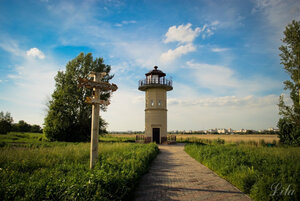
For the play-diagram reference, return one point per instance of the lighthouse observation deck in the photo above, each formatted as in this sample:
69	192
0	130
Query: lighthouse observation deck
155	83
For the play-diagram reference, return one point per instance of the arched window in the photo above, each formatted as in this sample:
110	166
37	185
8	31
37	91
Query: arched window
152	103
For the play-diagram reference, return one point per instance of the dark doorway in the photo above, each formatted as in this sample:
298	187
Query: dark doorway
155	135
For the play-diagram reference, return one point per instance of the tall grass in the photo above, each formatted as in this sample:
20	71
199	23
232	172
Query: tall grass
18	137
266	173
235	138
62	172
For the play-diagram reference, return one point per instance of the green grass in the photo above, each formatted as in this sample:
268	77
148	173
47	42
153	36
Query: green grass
61	171
38	139
256	171
111	138
199	140
18	137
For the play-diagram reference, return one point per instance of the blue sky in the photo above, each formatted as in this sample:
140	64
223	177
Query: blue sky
222	56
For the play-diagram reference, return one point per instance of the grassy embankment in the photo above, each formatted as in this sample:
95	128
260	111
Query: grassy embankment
31	169
265	173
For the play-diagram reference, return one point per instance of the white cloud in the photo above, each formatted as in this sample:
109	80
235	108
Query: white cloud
35	52
208	29
213	76
219	49
125	22
223	80
138	53
126	110
28	86
182	34
90	31
252	112
171	55
215	23
278	14
128	22
249	111
11	46
249	101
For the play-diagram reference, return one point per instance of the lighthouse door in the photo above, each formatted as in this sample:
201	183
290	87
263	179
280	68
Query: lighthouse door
156	135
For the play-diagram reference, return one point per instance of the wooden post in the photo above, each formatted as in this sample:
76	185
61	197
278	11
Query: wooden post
96	85
94	135
95	123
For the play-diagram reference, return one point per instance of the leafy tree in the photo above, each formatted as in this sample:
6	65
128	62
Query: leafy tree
5	122
69	117
289	124
22	126
35	129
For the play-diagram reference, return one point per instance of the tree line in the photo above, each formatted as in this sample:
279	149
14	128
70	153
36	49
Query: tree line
7	125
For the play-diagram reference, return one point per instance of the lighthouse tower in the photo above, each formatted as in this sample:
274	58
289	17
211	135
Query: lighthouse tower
156	86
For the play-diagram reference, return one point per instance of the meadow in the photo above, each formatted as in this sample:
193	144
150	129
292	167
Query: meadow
31	168
253	139
265	173
34	169
234	138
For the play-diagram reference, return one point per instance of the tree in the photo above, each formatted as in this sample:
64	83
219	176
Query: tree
5	122
35	129
69	117
289	124
22	126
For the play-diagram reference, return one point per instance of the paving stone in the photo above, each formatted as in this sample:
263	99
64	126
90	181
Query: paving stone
174	175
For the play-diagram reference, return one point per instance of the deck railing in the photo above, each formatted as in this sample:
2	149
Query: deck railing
161	81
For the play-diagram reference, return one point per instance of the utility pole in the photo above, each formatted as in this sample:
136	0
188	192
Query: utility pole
97	86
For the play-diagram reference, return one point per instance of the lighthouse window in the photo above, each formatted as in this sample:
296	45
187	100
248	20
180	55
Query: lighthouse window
159	103
152	103
155	79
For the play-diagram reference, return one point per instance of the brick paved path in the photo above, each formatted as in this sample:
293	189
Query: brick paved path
174	175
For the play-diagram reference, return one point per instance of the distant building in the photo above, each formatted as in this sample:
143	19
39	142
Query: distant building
222	131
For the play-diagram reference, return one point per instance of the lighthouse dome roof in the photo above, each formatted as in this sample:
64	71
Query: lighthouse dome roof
156	72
